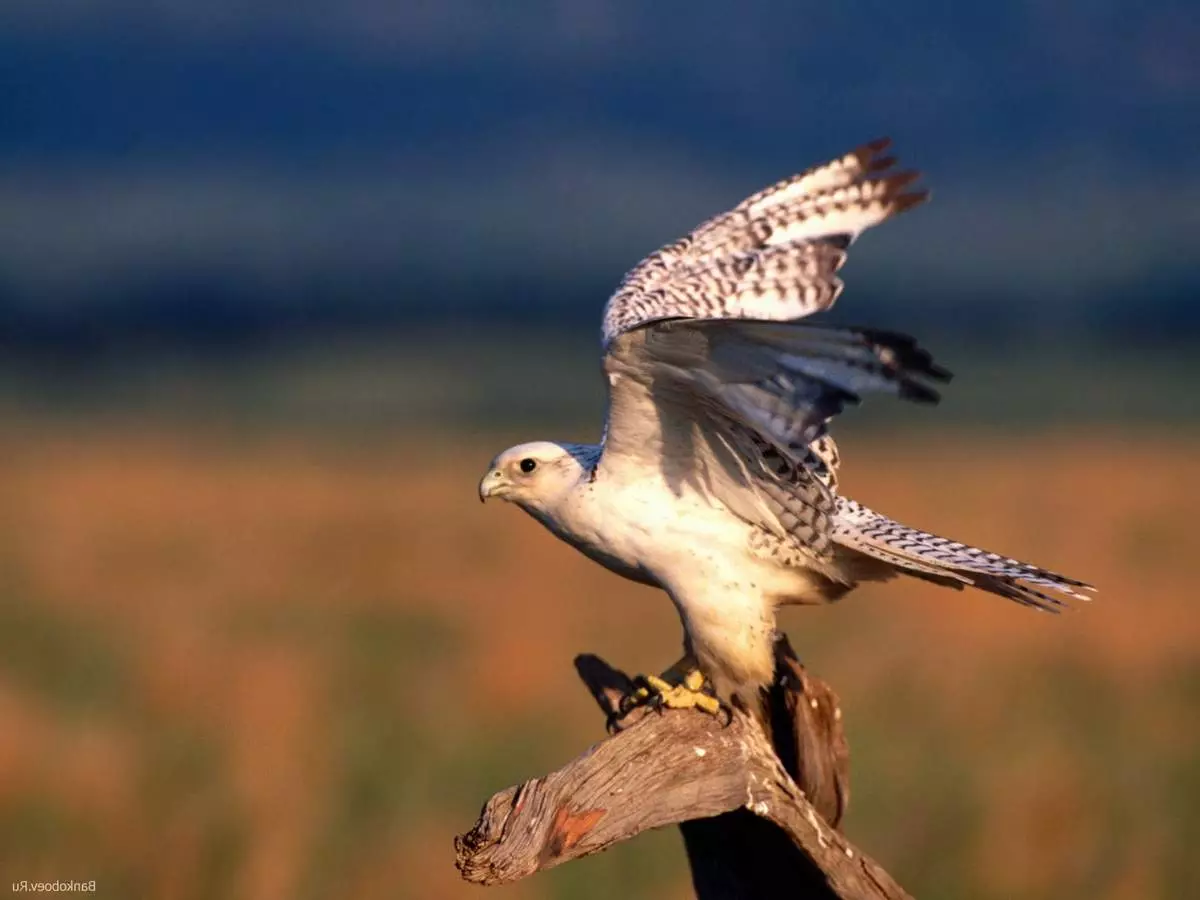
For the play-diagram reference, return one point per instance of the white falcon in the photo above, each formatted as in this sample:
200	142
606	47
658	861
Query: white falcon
715	478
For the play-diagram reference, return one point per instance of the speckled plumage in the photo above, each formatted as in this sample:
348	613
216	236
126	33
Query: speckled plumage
716	477
774	256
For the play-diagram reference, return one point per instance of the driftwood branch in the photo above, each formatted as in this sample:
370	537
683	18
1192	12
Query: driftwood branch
759	819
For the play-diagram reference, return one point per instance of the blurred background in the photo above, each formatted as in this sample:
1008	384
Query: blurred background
276	281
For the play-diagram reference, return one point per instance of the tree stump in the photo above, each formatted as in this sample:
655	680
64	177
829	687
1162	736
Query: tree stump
760	816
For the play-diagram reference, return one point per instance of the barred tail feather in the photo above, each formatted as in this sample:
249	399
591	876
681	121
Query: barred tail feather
950	563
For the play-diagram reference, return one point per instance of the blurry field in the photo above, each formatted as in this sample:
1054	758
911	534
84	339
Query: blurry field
270	668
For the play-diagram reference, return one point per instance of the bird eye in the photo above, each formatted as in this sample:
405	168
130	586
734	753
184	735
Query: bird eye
528	465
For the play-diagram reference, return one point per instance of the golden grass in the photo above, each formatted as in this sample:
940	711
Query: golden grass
267	669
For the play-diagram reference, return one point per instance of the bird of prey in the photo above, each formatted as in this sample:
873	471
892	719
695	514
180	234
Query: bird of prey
716	478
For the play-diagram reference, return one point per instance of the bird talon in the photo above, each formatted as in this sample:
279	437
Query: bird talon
725	710
674	689
641	694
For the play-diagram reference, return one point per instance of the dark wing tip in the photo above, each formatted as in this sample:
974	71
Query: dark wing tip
902	180
905	353
904	202
939	373
919	393
909	362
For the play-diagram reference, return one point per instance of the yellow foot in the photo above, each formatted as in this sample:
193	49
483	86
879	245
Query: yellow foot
680	696
680	687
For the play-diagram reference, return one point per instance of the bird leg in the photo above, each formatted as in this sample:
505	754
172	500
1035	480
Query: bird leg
680	687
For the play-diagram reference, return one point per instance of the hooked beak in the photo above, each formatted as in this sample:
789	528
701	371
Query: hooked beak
490	484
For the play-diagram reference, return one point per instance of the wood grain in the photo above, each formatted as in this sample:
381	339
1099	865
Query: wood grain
759	819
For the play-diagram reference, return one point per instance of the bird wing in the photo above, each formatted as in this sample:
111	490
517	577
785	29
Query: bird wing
725	405
774	256
712	382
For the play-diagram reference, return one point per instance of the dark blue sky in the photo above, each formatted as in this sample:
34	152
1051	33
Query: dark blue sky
393	157
1014	78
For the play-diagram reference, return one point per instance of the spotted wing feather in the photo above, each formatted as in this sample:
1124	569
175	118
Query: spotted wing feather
775	256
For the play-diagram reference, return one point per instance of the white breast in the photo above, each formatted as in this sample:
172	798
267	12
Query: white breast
648	532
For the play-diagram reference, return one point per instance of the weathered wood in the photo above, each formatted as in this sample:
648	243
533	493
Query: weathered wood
757	821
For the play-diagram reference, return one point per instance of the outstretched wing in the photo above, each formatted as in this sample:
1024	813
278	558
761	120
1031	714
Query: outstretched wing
726	405
712	398
775	256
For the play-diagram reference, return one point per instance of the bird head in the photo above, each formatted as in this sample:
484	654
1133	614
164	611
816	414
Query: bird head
532	475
